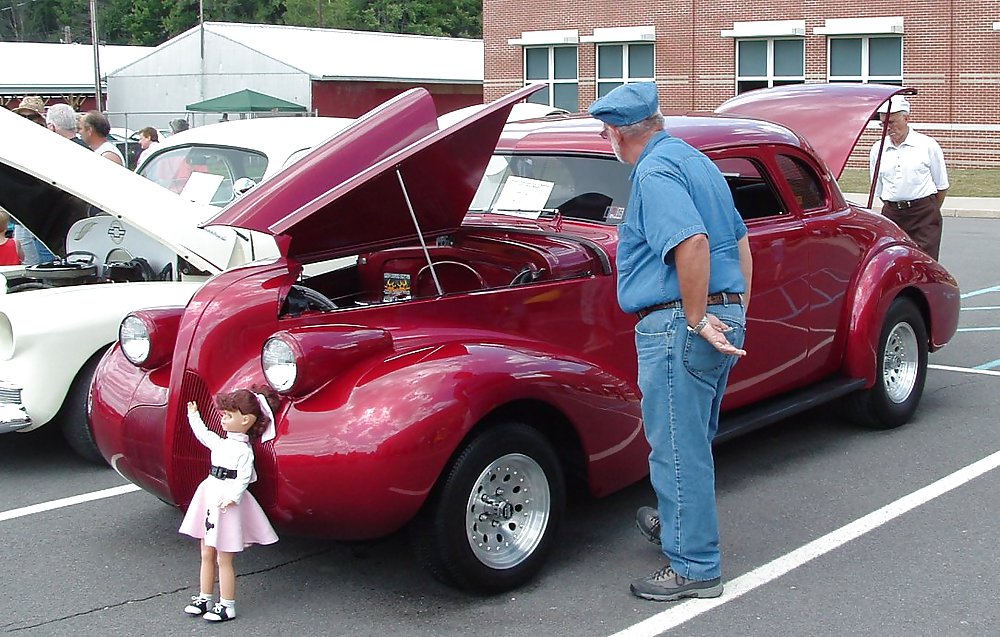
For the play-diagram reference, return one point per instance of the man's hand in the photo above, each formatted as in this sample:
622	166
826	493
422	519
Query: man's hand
715	333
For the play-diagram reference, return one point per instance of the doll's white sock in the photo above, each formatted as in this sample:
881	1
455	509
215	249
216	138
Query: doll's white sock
230	604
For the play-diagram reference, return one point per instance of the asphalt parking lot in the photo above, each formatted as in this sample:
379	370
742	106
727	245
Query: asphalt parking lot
827	530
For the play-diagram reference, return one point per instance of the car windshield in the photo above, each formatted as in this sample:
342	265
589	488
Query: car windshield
592	188
204	173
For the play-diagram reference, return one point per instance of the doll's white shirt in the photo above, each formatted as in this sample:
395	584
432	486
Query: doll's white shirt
232	452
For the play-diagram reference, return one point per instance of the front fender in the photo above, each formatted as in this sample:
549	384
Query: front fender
365	451
54	331
891	272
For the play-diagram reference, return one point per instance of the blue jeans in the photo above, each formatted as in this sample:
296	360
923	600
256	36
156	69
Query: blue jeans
33	251
682	378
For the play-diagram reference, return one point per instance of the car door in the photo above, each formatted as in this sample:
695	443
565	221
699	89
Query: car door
834	254
778	320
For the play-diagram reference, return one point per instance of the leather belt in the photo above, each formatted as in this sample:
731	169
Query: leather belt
722	298
903	205
222	473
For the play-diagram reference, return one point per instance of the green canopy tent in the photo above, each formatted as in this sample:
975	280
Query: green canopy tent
246	101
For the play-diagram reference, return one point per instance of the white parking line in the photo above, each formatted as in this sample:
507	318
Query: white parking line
680	613
65	502
965	370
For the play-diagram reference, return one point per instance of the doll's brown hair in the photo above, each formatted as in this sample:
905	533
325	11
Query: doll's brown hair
245	402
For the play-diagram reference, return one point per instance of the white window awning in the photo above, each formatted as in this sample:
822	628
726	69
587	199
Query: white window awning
861	26
541	38
766	29
622	34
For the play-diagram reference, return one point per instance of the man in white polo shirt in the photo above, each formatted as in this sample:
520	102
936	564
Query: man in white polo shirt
912	180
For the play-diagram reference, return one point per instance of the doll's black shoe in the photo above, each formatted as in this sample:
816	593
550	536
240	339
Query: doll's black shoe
220	613
199	605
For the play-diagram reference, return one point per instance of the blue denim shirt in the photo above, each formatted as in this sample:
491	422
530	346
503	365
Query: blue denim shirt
677	192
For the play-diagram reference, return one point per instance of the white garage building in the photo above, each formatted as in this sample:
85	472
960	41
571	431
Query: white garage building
329	71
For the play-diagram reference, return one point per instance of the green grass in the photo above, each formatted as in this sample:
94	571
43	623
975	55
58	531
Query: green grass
965	182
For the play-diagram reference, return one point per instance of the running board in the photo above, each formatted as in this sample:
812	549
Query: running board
741	421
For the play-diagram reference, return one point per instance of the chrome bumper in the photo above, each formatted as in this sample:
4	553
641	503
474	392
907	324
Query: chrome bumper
13	415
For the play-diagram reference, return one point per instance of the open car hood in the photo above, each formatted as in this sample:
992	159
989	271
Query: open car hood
47	183
831	117
354	193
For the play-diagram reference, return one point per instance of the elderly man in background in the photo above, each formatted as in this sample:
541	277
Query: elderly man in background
684	267
61	119
912	180
94	129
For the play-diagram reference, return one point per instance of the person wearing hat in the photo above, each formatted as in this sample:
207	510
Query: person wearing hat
912	180
178	125
684	268
32	107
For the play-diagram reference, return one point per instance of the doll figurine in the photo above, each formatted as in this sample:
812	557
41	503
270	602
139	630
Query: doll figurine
223	514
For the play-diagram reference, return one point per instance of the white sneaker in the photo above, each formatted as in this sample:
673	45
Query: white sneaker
221	613
199	605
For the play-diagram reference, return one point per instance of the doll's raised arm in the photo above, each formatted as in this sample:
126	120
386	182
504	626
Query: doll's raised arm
204	435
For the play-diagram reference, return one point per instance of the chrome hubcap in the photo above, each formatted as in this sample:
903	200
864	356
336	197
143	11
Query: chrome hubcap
508	511
900	363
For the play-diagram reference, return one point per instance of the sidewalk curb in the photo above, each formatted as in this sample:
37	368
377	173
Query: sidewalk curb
974	207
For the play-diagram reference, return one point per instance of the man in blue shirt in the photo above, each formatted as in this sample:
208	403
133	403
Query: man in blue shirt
684	268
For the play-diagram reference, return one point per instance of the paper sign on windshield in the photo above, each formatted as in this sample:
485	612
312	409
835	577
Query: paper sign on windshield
201	187
523	197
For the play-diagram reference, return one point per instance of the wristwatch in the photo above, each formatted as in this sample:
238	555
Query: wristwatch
699	326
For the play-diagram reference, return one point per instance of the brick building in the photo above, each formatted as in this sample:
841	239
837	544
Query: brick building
701	53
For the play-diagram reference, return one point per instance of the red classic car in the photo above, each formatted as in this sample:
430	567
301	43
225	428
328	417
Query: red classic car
468	359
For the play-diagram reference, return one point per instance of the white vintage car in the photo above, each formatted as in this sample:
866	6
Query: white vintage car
144	249
218	162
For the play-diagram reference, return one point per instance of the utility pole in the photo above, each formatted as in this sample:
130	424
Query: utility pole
97	56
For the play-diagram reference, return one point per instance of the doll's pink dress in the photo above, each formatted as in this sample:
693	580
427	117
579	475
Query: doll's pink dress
241	524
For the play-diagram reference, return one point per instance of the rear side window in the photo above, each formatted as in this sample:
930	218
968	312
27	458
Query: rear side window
804	182
752	193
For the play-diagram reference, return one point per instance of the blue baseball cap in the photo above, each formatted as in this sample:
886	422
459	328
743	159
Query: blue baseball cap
626	104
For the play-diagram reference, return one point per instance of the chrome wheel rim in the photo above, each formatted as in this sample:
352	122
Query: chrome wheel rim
900	363
508	511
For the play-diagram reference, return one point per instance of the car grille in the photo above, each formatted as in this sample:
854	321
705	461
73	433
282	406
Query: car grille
191	460
9	394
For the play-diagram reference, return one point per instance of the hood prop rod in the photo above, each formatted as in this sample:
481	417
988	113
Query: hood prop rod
420	234
878	160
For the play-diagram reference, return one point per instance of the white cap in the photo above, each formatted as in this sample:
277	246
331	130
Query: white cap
899	104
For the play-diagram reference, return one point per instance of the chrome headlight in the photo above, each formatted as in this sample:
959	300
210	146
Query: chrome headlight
133	336
280	367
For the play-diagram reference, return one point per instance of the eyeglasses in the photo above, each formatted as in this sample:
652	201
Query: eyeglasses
604	133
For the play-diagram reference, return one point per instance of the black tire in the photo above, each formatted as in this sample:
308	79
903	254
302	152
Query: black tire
514	533
901	369
72	416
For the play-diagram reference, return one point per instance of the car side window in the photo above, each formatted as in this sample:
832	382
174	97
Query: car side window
753	194
803	181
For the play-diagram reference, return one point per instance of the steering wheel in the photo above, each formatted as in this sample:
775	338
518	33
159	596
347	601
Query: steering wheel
313	300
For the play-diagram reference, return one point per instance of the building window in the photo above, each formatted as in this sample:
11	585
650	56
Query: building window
556	67
866	59
619	64
763	63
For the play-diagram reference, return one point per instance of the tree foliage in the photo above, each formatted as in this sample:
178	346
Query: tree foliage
151	22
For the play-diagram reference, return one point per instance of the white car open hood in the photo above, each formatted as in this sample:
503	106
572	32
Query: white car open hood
47	183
